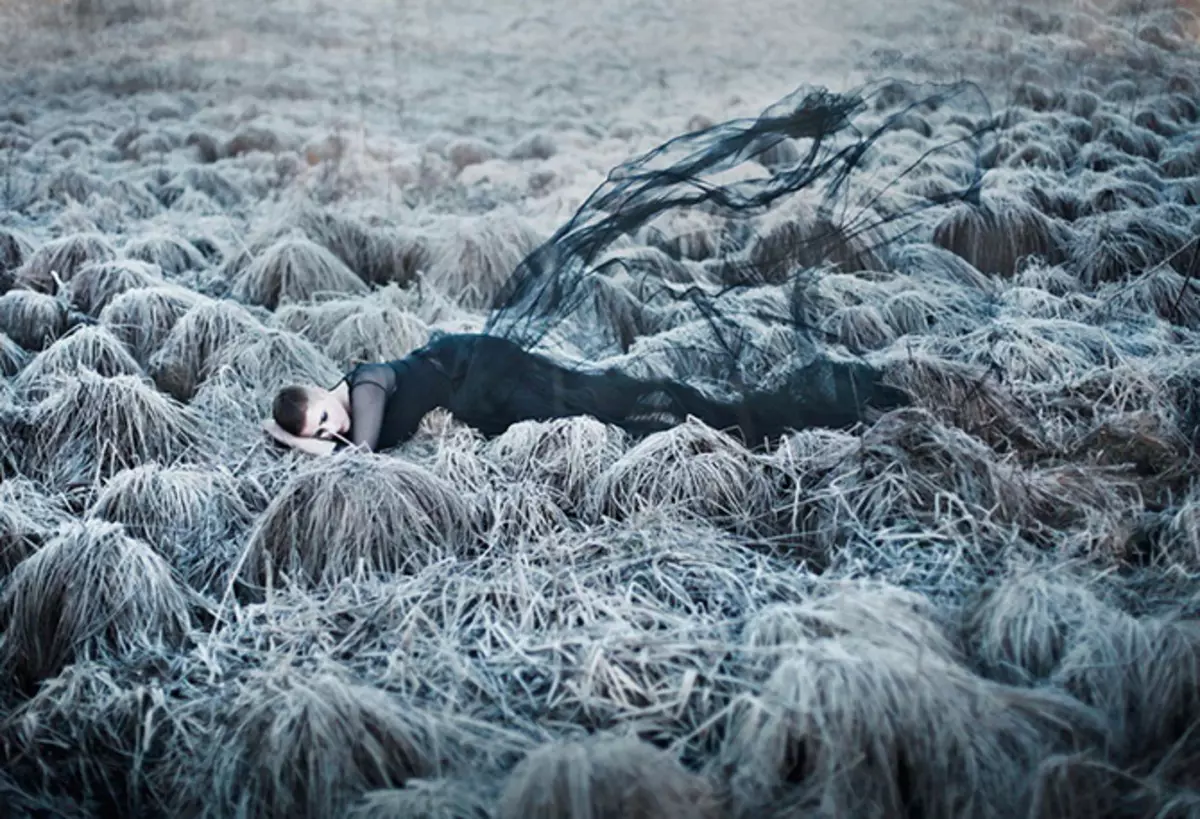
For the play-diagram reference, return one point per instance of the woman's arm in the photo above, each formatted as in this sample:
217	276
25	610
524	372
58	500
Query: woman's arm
313	446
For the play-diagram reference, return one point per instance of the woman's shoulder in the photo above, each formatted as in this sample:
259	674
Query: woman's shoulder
381	374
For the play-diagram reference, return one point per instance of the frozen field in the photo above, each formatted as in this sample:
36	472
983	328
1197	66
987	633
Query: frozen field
982	605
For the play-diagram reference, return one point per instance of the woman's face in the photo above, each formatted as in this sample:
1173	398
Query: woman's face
325	417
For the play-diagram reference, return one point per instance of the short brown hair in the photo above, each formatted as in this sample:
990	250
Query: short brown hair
289	409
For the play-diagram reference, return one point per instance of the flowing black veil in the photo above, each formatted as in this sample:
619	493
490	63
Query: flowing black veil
730	316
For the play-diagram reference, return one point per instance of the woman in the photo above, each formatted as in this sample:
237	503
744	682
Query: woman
490	383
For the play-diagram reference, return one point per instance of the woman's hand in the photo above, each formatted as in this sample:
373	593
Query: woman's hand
312	446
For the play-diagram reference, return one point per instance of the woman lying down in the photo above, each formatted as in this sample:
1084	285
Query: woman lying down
490	383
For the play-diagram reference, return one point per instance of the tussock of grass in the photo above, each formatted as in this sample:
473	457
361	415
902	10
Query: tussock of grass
92	427
143	317
1054	279
566	455
376	254
355	513
170	254
94	349
1088	511
32	320
1074	786
317	321
294	269
798	238
89	593
1142	441
1180	161
1118	195
71	184
877	613
614	316
1018	629
910	448
860	327
931	263
12	357
998	235
1115	247
605	777
15	248
316	743
376	333
59	259
918	310
1133	140
1144	676
692	469
270	359
97	284
135	199
854	728
471	260
189	515
425	799
965	396
190	351
21	534
209	182
694	235
1160	292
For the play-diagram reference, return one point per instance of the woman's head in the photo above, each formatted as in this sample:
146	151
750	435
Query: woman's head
310	412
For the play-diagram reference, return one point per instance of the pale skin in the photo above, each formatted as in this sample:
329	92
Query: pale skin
327	420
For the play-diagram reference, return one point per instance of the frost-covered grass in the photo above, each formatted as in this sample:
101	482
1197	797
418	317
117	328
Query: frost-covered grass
982	605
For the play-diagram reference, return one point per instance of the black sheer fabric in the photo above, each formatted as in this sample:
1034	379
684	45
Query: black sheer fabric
565	294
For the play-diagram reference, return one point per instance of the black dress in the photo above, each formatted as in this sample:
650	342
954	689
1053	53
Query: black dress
491	383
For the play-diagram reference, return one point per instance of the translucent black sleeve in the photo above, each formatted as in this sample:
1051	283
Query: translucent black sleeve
370	389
